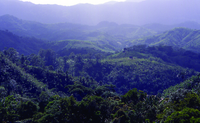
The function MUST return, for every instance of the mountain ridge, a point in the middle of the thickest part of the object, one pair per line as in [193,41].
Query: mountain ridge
[178,37]
[104,33]
[138,13]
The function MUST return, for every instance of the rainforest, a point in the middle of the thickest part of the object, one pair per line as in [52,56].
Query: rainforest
[108,72]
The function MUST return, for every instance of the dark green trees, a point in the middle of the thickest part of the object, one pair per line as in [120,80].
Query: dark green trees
[26,109]
[11,109]
[49,57]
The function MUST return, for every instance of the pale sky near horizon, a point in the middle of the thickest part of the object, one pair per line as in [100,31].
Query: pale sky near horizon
[73,2]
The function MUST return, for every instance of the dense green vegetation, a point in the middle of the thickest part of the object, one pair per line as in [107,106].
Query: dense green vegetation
[178,37]
[169,54]
[65,47]
[94,88]
[89,79]
[27,46]
[24,45]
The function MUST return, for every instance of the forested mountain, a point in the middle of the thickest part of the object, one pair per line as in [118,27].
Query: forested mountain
[159,28]
[66,47]
[104,33]
[29,45]
[91,74]
[128,12]
[178,37]
[169,54]
[24,45]
[102,72]
[34,88]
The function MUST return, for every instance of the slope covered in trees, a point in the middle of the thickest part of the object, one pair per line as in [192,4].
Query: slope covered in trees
[85,79]
[65,47]
[169,54]
[29,45]
[35,89]
[24,45]
[103,33]
[179,37]
[144,71]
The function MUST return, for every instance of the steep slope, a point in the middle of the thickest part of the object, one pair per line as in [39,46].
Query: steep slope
[22,75]
[27,45]
[106,33]
[16,80]
[147,67]
[191,84]
[65,47]
[24,45]
[140,68]
[179,37]
[38,30]
[149,75]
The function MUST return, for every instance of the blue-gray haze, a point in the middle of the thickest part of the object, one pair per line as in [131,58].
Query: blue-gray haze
[149,11]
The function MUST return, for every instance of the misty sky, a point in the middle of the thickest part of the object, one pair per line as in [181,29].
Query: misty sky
[74,2]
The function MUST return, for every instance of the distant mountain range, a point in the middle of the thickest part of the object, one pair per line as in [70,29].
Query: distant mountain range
[102,31]
[139,13]
[105,32]
[30,45]
[105,36]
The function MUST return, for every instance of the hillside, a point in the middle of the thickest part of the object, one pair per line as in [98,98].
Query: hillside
[24,45]
[30,45]
[34,87]
[169,54]
[142,70]
[105,33]
[66,47]
[134,62]
[178,37]
[91,63]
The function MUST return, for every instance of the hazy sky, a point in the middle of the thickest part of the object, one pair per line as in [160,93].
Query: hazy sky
[72,2]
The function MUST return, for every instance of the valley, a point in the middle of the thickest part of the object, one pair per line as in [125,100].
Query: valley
[105,72]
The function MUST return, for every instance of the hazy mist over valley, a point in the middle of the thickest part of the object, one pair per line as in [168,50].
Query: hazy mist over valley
[134,61]
[138,13]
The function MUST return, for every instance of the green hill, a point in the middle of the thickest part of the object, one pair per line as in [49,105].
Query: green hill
[24,45]
[29,45]
[191,84]
[178,37]
[168,54]
[37,88]
[15,80]
[145,69]
[65,47]
[103,33]
[83,78]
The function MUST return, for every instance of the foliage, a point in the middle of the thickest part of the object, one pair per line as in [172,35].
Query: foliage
[24,45]
[81,79]
[185,116]
[91,88]
[180,37]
